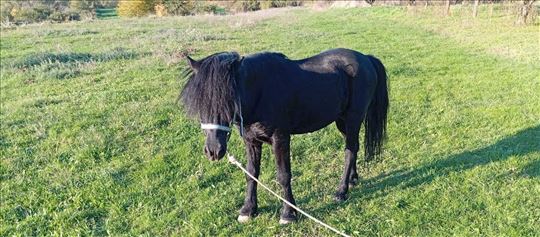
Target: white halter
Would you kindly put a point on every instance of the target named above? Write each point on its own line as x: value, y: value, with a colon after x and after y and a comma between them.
x: 210, y: 126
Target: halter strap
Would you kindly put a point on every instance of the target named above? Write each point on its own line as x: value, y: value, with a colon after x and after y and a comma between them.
x: 241, y: 125
x: 215, y: 126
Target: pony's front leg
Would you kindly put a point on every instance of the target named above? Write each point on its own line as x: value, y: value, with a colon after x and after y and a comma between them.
x: 281, y: 148
x: 253, y: 150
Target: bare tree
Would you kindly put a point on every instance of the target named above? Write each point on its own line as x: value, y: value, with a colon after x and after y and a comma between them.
x: 426, y: 3
x: 411, y: 5
x: 491, y: 3
x: 475, y: 9
x: 525, y: 9
x: 447, y: 8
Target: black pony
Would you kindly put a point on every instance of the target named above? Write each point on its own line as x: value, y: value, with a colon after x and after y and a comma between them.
x: 269, y: 97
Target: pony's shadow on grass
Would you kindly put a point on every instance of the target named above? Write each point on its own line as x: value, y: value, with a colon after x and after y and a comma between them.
x: 532, y: 169
x: 522, y: 143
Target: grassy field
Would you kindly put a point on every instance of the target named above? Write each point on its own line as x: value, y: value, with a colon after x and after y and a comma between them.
x: 93, y: 143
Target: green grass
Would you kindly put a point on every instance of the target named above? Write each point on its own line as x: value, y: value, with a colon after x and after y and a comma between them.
x: 93, y: 143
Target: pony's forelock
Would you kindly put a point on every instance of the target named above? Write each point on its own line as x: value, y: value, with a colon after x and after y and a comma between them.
x: 210, y: 92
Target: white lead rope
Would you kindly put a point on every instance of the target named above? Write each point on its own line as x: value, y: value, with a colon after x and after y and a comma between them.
x: 233, y: 161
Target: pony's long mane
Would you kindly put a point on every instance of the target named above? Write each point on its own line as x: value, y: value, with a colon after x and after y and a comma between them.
x: 210, y: 92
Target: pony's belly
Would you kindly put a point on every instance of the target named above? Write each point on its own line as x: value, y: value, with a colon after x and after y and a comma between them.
x: 307, y: 126
x: 317, y: 112
x: 302, y: 130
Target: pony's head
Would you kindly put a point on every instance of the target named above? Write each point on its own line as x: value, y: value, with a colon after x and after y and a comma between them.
x: 210, y: 96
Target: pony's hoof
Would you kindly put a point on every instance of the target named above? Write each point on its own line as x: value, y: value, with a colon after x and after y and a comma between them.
x: 353, y: 183
x: 340, y: 197
x: 285, y: 221
x: 243, y: 219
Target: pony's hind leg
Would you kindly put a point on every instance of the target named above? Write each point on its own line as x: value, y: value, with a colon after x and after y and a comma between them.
x: 352, y: 129
x: 353, y: 177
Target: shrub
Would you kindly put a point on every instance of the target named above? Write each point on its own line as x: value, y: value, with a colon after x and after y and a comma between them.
x: 84, y: 8
x: 254, y: 5
x: 160, y: 9
x: 206, y: 8
x: 81, y: 5
x: 43, y: 12
x: 280, y: 3
x: 73, y: 15
x: 176, y: 7
x: 30, y: 15
x: 285, y: 3
x: 36, y: 11
x: 5, y: 12
x: 133, y: 8
x: 58, y: 17
x: 295, y: 3
x: 209, y: 8
x: 183, y: 8
x: 251, y: 5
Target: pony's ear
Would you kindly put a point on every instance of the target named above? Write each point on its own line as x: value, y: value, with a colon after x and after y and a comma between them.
x: 194, y: 64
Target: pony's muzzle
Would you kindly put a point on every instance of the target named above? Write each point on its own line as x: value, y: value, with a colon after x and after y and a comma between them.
x: 215, y: 153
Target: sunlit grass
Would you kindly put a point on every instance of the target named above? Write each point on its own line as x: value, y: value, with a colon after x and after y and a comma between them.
x: 97, y: 145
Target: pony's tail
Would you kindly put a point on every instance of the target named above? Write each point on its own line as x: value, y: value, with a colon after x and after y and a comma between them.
x: 375, y: 122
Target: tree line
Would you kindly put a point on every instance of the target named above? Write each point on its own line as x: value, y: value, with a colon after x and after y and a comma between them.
x: 30, y: 11
x: 193, y: 7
